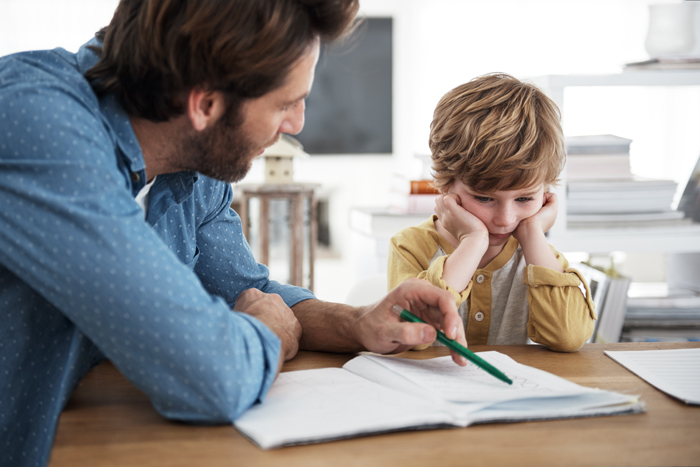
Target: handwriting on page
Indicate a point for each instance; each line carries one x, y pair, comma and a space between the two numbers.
472, 384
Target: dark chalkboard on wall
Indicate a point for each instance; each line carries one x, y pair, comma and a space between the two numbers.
349, 108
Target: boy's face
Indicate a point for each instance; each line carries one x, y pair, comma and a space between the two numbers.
500, 211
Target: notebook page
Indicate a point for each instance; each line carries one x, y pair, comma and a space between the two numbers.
441, 377
675, 371
316, 405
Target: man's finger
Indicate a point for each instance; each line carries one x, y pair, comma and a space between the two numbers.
411, 334
429, 314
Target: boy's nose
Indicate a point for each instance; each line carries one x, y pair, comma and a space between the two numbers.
505, 217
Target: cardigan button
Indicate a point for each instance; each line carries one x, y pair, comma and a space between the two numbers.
480, 278
479, 316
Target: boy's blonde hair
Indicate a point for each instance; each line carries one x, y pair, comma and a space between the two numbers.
496, 133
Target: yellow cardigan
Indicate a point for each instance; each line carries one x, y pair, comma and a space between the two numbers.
507, 301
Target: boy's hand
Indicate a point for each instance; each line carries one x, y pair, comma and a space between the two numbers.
459, 222
541, 221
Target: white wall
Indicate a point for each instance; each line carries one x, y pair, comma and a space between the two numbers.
47, 24
438, 45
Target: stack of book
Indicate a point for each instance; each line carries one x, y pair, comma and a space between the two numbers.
412, 196
595, 157
656, 312
602, 192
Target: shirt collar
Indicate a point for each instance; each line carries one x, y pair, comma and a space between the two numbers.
181, 184
117, 119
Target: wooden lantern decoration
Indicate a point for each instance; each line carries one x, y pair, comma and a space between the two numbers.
279, 160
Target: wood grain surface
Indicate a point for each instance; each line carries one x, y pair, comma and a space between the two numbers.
108, 422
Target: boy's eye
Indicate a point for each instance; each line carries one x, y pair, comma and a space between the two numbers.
524, 199
482, 199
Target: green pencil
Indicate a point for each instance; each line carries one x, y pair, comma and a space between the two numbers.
456, 346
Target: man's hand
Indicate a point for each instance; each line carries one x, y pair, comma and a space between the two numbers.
271, 310
381, 330
457, 221
541, 221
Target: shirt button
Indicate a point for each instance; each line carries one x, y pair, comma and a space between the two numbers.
135, 177
479, 279
479, 316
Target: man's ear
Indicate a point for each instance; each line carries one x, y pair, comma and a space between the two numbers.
204, 108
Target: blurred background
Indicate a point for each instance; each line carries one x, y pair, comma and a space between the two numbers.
423, 48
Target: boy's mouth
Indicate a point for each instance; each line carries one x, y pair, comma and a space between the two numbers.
500, 236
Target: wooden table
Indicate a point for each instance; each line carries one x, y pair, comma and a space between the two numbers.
295, 193
108, 422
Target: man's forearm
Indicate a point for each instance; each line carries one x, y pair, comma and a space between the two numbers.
333, 327
330, 327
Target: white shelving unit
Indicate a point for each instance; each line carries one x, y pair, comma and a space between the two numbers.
648, 239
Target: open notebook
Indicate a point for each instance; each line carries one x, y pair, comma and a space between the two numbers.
375, 394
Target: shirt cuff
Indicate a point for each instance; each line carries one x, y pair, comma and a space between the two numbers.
271, 348
536, 276
434, 275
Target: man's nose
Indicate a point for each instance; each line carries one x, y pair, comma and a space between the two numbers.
294, 120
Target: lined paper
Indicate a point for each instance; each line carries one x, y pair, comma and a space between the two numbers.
675, 372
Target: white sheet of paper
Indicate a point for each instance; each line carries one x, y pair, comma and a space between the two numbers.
675, 371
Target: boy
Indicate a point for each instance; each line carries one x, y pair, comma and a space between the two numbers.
497, 145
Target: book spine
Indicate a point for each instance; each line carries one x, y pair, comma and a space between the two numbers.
423, 187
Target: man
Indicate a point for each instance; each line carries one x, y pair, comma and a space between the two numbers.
154, 119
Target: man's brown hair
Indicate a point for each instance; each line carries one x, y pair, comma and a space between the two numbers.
155, 50
496, 133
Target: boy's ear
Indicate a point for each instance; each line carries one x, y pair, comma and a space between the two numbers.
204, 108
445, 190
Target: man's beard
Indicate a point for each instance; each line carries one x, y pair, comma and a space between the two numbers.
222, 152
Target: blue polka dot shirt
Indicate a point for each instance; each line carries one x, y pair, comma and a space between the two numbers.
83, 277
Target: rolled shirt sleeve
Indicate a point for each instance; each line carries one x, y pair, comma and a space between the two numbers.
421, 252
561, 316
